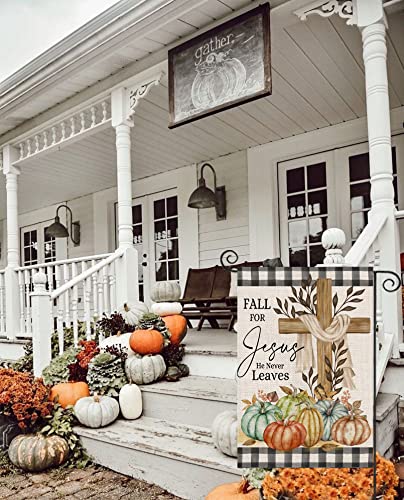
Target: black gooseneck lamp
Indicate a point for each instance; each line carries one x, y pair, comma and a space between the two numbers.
58, 230
204, 197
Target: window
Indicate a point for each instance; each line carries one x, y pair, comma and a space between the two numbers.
166, 251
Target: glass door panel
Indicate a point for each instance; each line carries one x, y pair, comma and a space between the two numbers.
304, 188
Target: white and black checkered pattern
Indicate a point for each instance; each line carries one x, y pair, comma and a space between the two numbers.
305, 457
285, 276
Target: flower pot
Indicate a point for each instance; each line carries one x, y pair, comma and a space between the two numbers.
8, 430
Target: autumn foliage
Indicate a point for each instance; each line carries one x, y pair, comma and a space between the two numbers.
24, 398
320, 484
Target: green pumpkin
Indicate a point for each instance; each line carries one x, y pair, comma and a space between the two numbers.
257, 417
36, 452
292, 404
331, 411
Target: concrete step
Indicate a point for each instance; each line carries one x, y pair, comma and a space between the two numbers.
192, 400
179, 458
387, 423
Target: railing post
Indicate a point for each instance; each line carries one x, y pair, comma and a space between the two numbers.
126, 266
333, 240
127, 279
41, 324
372, 24
12, 302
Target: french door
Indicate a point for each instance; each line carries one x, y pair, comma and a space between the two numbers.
38, 248
325, 190
307, 208
155, 236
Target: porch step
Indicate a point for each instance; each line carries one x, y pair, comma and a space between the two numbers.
386, 423
192, 400
179, 458
211, 353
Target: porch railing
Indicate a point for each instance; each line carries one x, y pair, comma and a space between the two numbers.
57, 274
97, 286
2, 304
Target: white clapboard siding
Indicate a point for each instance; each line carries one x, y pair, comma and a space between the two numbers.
232, 233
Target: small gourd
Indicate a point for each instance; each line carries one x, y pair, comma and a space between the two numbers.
166, 308
96, 411
173, 374
130, 401
131, 313
146, 369
184, 369
224, 432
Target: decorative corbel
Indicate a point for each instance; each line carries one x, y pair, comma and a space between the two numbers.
138, 92
345, 9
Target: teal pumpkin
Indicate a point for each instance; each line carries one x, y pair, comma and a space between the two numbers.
331, 411
292, 404
257, 417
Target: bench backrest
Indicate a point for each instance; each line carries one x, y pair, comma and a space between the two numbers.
199, 283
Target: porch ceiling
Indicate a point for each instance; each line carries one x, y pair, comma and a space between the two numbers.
318, 81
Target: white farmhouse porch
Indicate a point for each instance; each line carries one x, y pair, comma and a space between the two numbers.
93, 135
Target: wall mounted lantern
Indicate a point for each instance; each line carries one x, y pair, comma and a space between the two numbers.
204, 197
58, 230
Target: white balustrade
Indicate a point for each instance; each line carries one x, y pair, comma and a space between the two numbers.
70, 128
77, 304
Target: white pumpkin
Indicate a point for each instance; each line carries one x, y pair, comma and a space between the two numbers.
96, 411
166, 291
131, 313
166, 308
224, 432
130, 401
119, 340
146, 369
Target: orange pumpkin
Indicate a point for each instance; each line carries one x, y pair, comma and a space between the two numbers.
285, 435
69, 393
177, 326
351, 430
233, 491
146, 342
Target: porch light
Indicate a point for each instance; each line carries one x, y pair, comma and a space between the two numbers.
204, 197
58, 230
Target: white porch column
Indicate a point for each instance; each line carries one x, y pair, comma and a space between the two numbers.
42, 326
372, 24
127, 287
10, 155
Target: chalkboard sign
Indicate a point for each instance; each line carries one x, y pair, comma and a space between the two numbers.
224, 67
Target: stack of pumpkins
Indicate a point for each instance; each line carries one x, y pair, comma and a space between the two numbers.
165, 295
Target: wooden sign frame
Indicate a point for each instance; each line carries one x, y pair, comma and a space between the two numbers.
209, 44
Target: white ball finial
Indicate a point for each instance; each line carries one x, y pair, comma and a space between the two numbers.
333, 240
39, 280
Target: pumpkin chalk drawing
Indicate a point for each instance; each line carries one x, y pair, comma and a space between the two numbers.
219, 78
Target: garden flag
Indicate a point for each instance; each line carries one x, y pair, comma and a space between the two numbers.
305, 367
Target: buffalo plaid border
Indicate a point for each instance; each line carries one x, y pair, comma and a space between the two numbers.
267, 458
305, 457
286, 276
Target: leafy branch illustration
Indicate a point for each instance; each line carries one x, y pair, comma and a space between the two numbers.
334, 366
310, 379
352, 297
305, 296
